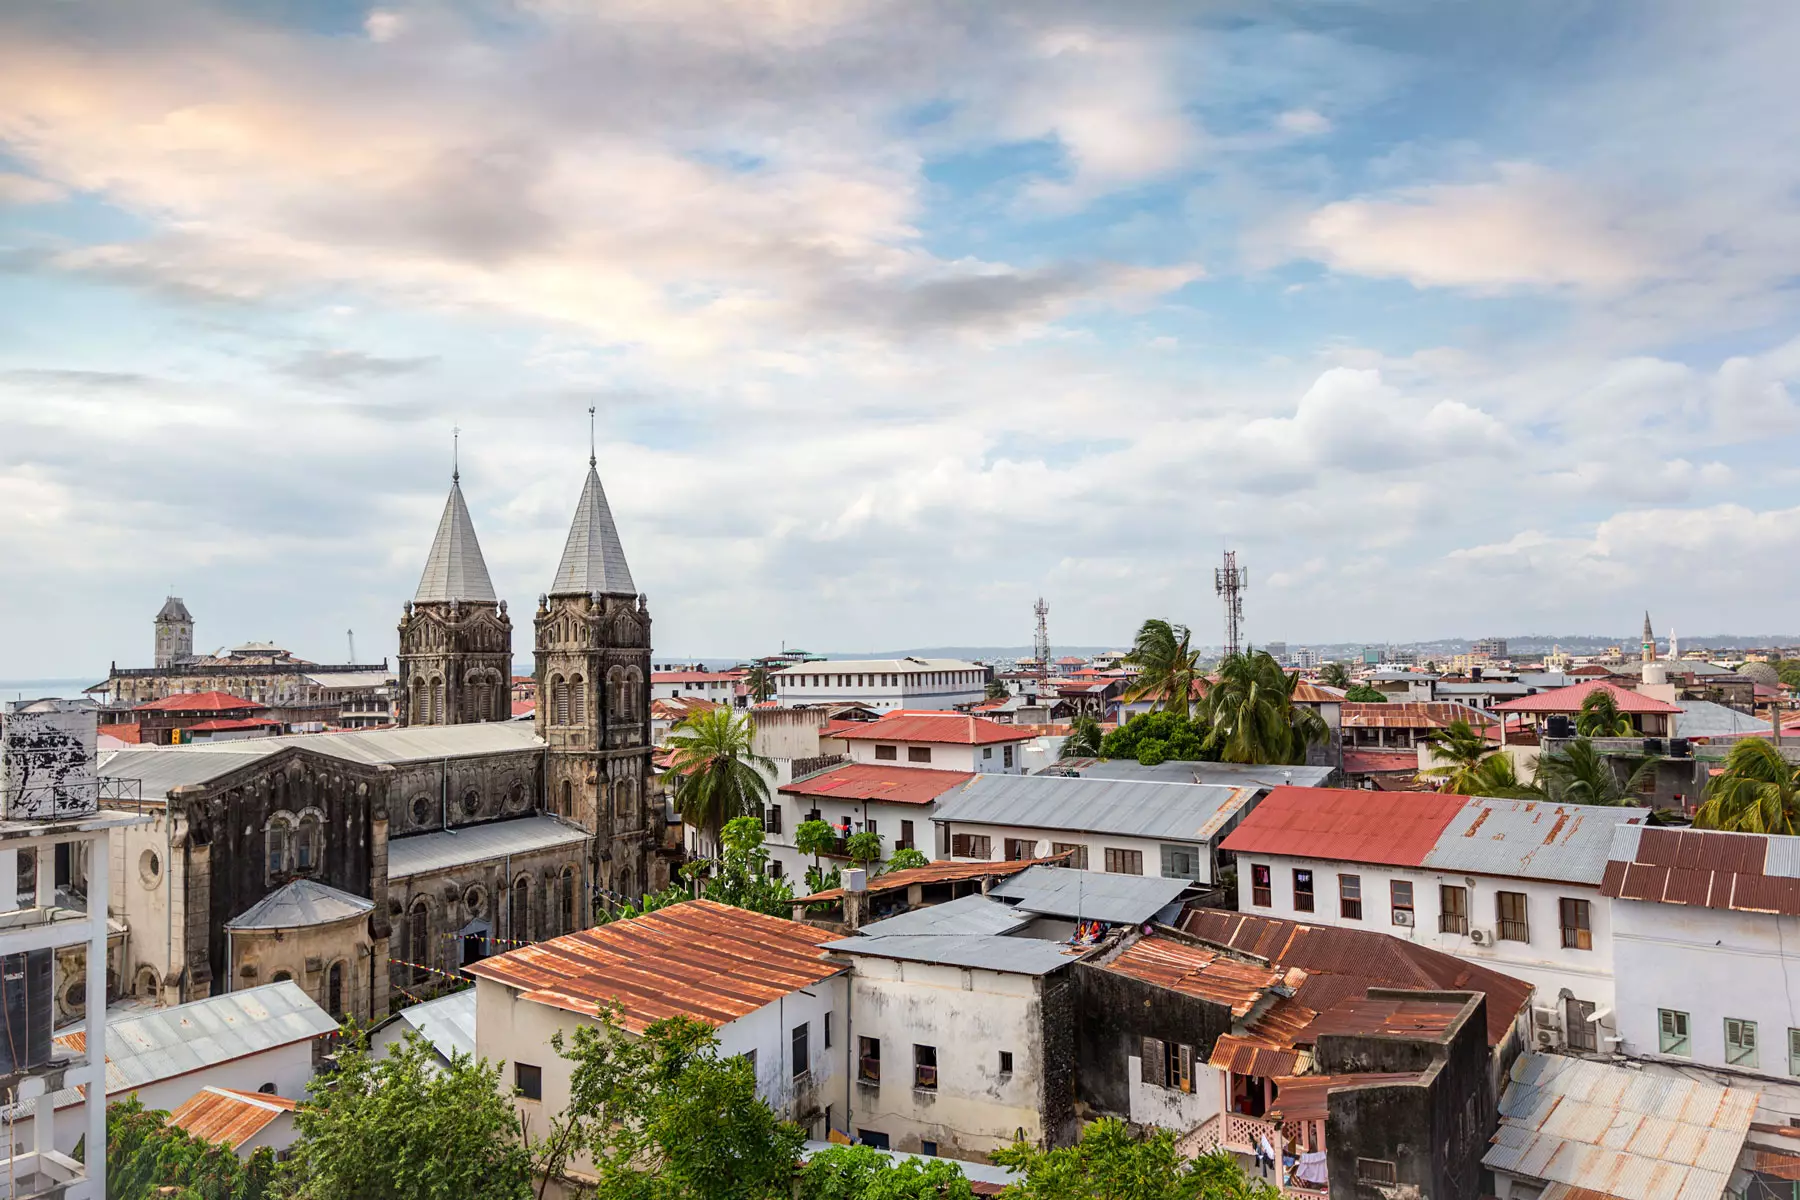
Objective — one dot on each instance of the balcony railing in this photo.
(1238, 1134)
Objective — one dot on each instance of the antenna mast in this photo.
(351, 634)
(1229, 581)
(1041, 644)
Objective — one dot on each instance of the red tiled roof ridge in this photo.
(942, 871)
(1346, 825)
(878, 781)
(932, 725)
(199, 702)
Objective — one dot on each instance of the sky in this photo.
(1453, 319)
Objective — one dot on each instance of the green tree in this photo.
(865, 1173)
(1335, 674)
(997, 690)
(1084, 738)
(1362, 693)
(907, 859)
(1458, 749)
(1251, 714)
(1600, 716)
(1175, 736)
(675, 893)
(147, 1156)
(720, 775)
(1167, 666)
(1757, 792)
(402, 1129)
(759, 681)
(742, 878)
(1579, 774)
(863, 848)
(1108, 1163)
(815, 838)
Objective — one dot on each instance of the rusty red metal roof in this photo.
(1780, 1164)
(1343, 964)
(124, 733)
(1308, 692)
(1412, 714)
(876, 781)
(1247, 1056)
(697, 959)
(940, 872)
(1198, 971)
(1304, 1097)
(952, 728)
(1385, 1015)
(228, 1117)
(198, 702)
(1346, 824)
(1568, 700)
(1704, 868)
(1374, 762)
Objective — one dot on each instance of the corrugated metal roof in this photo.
(1385, 1015)
(1623, 1130)
(1568, 700)
(1223, 774)
(698, 959)
(965, 914)
(942, 728)
(593, 558)
(298, 904)
(1346, 824)
(454, 569)
(876, 781)
(1131, 808)
(161, 771)
(1012, 955)
(940, 872)
(1306, 1097)
(1091, 895)
(1706, 868)
(145, 1047)
(1530, 839)
(1196, 971)
(1704, 718)
(448, 1022)
(1411, 714)
(1247, 1056)
(228, 1117)
(422, 853)
(1372, 762)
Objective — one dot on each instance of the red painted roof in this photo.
(1309, 692)
(123, 733)
(1391, 828)
(218, 726)
(1411, 714)
(523, 708)
(837, 728)
(1369, 762)
(695, 676)
(196, 702)
(1706, 868)
(913, 725)
(1568, 700)
(874, 781)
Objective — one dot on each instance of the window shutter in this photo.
(1155, 1067)
(1187, 1068)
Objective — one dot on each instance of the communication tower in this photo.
(1229, 581)
(1041, 644)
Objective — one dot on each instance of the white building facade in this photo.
(939, 741)
(886, 684)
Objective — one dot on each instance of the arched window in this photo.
(559, 701)
(615, 695)
(626, 883)
(281, 977)
(418, 940)
(437, 701)
(148, 984)
(571, 919)
(276, 850)
(565, 805)
(419, 713)
(578, 696)
(519, 915)
(633, 684)
(308, 843)
(334, 990)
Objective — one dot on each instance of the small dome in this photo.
(1762, 673)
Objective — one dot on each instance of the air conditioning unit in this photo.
(1546, 1039)
(1482, 937)
(1402, 917)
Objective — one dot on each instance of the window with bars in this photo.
(1672, 1033)
(918, 754)
(1513, 925)
(906, 836)
(1124, 862)
(1262, 891)
(1350, 897)
(1376, 1170)
(887, 753)
(1180, 862)
(1167, 1065)
(1453, 909)
(925, 1068)
(1577, 924)
(1303, 891)
(1740, 1042)
(1077, 852)
(772, 819)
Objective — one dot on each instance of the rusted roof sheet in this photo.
(1345, 963)
(1370, 762)
(941, 872)
(1620, 1130)
(229, 1117)
(1412, 714)
(1304, 1097)
(1531, 839)
(1385, 1015)
(1705, 868)
(697, 959)
(1285, 1022)
(1197, 971)
(874, 781)
(959, 729)
(1346, 824)
(1568, 700)
(1246, 1056)
(1781, 1164)
(1308, 692)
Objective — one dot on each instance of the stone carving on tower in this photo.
(174, 633)
(455, 638)
(593, 706)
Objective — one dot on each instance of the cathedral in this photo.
(369, 866)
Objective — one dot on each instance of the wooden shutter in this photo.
(1187, 1068)
(1155, 1068)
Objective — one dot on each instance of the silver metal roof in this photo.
(423, 853)
(298, 904)
(1222, 774)
(1622, 1130)
(1703, 718)
(1187, 812)
(1091, 895)
(160, 771)
(965, 914)
(454, 570)
(987, 952)
(352, 679)
(1530, 839)
(593, 558)
(448, 1022)
(823, 666)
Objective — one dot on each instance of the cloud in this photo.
(1303, 122)
(349, 366)
(23, 189)
(1350, 419)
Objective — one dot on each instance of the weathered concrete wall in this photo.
(1116, 1014)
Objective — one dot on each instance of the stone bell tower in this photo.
(455, 637)
(593, 707)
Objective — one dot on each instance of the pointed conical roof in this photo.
(174, 610)
(455, 570)
(593, 560)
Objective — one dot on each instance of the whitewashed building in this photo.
(883, 683)
(1123, 826)
(766, 985)
(1512, 884)
(943, 741)
(896, 803)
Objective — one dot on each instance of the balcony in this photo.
(1239, 1134)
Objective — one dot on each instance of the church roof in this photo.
(174, 610)
(298, 904)
(455, 570)
(593, 559)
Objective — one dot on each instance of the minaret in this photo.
(1649, 641)
(455, 637)
(593, 707)
(174, 633)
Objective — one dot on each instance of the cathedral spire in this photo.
(593, 559)
(455, 570)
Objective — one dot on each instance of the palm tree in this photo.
(1167, 665)
(1335, 675)
(720, 775)
(997, 690)
(759, 682)
(1251, 713)
(1495, 775)
(1459, 749)
(1600, 716)
(1758, 792)
(1083, 740)
(1580, 774)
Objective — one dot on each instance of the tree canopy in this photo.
(1579, 774)
(1757, 792)
(1155, 737)
(1108, 1163)
(1362, 693)
(1167, 665)
(1334, 674)
(719, 774)
(1251, 715)
(1600, 716)
(148, 1156)
(1084, 738)
(864, 1173)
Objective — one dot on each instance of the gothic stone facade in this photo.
(455, 663)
